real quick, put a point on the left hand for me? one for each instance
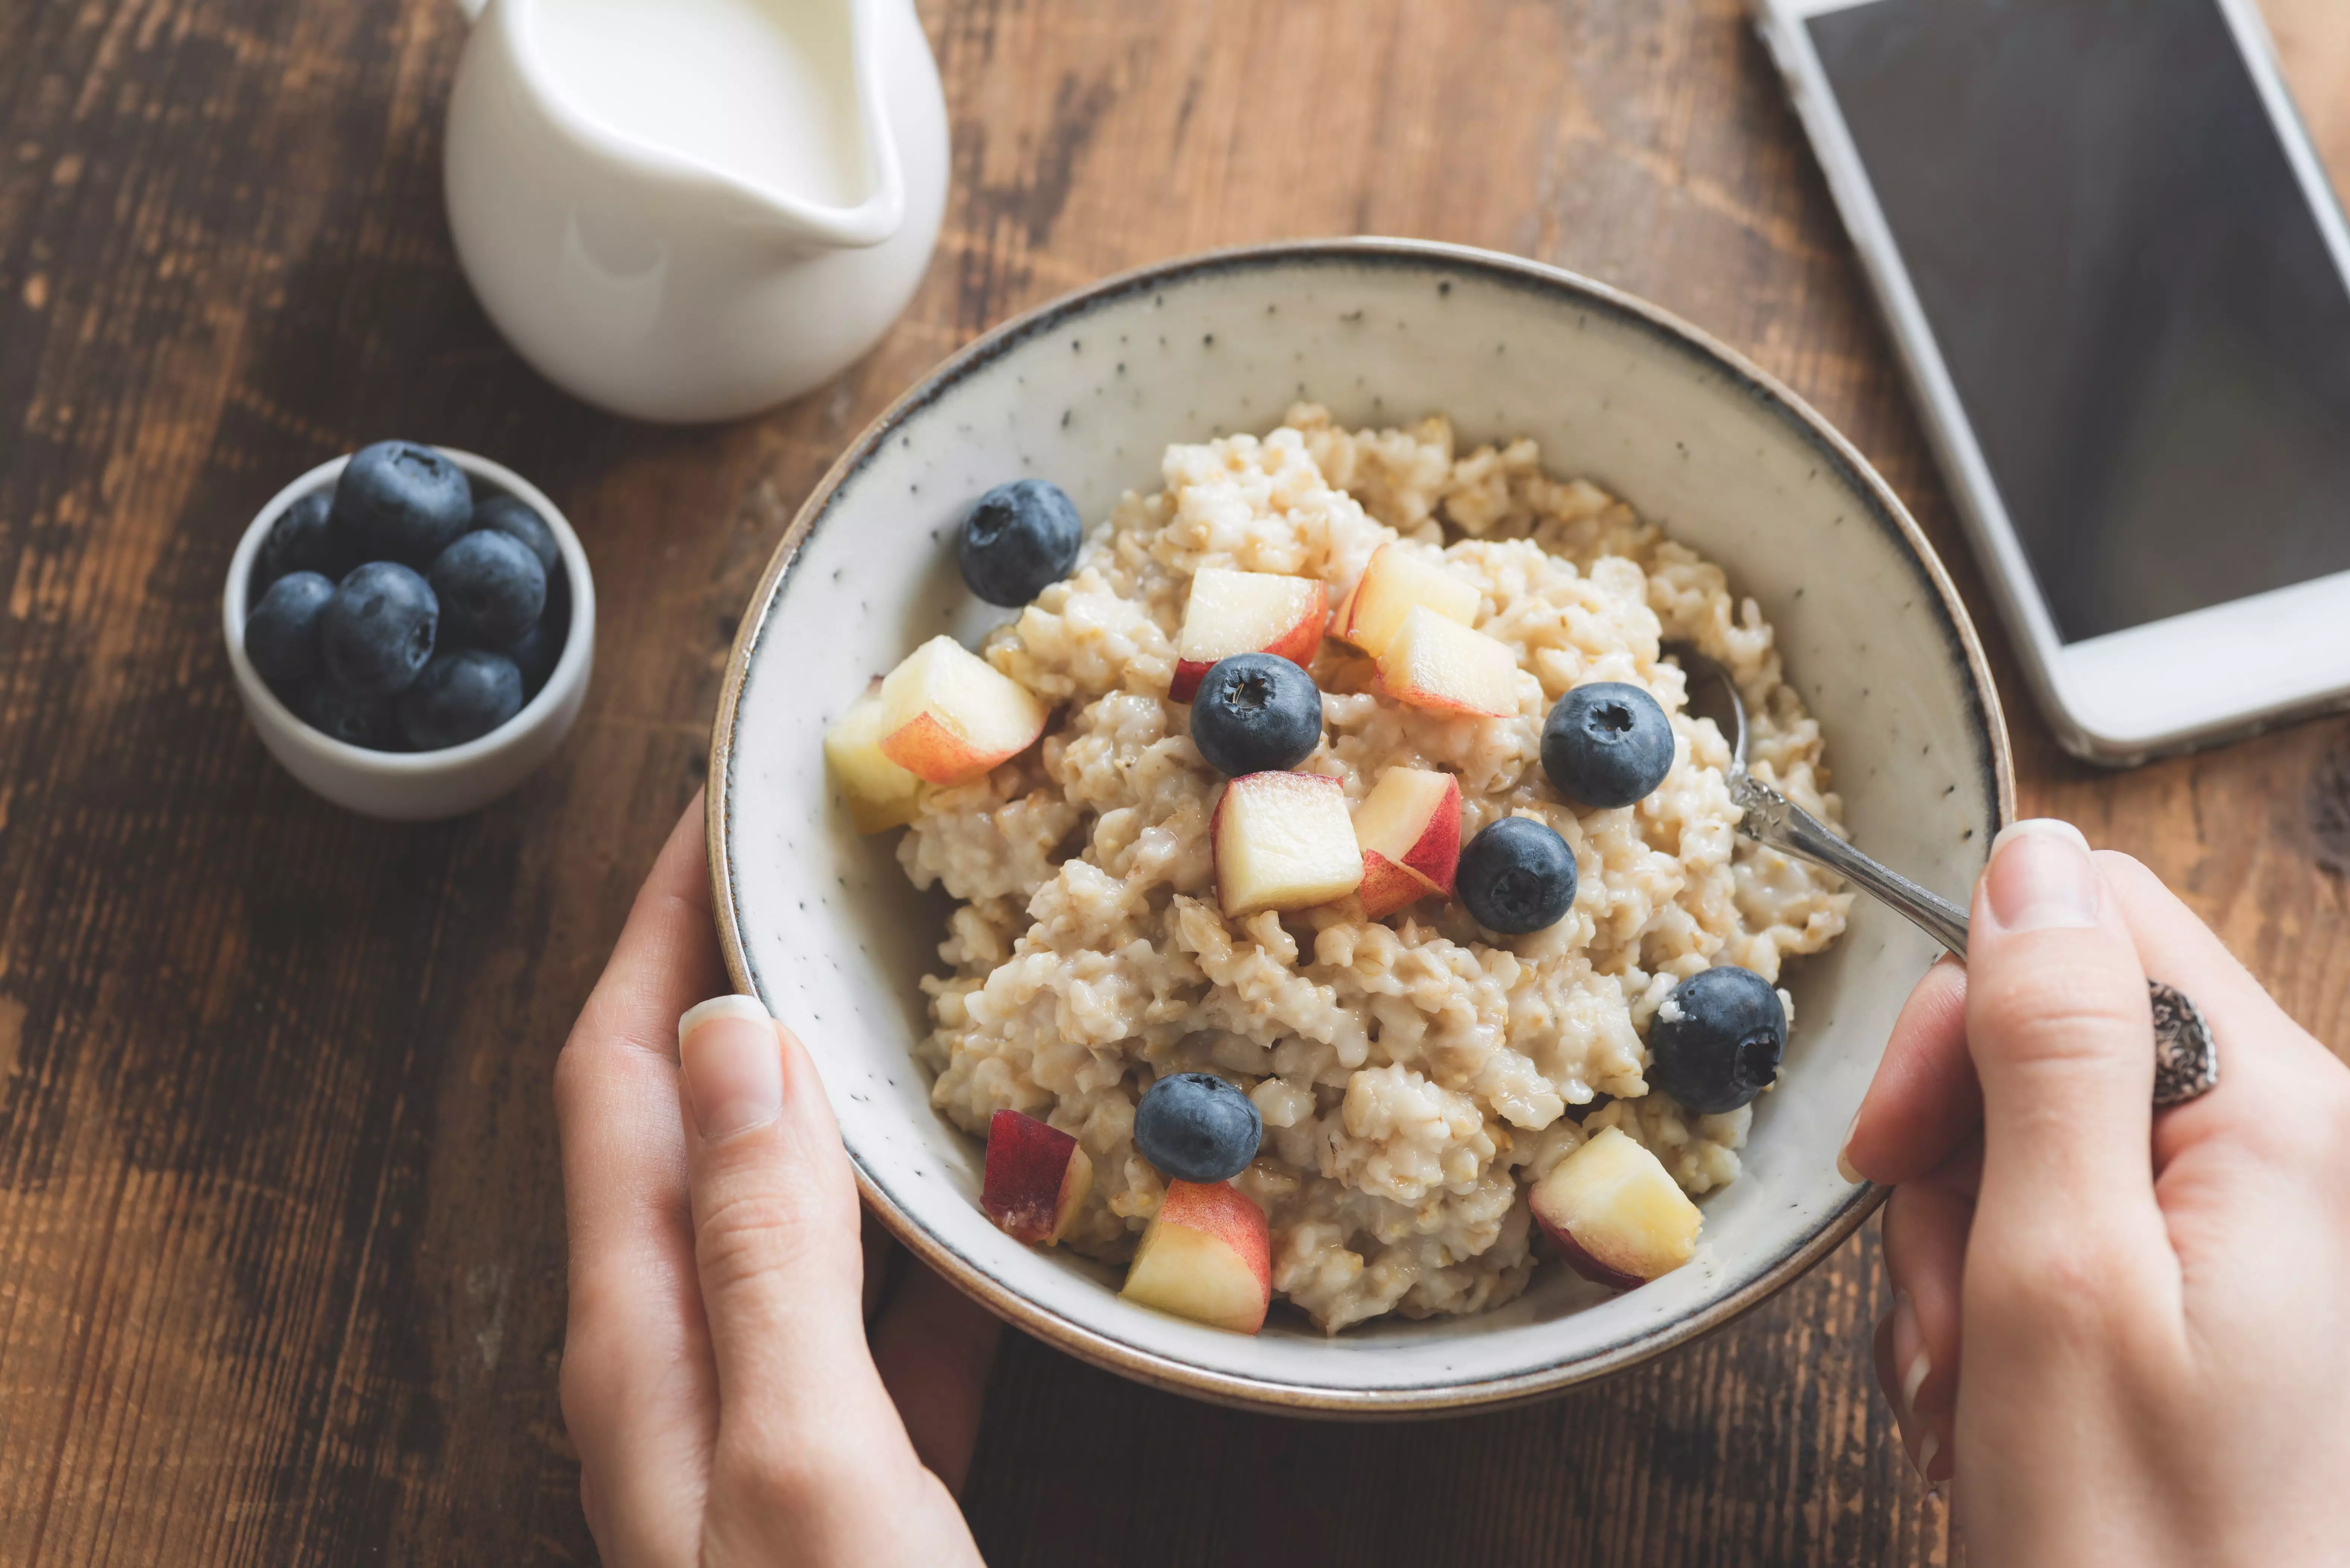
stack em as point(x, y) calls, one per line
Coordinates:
point(729, 1402)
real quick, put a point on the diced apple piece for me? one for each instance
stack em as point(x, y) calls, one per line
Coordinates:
point(1283, 841)
point(880, 793)
point(1410, 828)
point(1616, 1213)
point(1432, 662)
point(1246, 612)
point(1037, 1175)
point(1208, 1256)
point(947, 715)
point(1399, 579)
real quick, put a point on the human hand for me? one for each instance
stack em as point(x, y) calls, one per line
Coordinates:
point(2121, 1331)
point(728, 1401)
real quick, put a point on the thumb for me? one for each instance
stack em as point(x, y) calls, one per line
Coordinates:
point(2062, 1037)
point(777, 1248)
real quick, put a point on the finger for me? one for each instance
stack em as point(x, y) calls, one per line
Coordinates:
point(615, 1082)
point(1889, 1379)
point(2268, 1064)
point(637, 1383)
point(2241, 1156)
point(886, 1265)
point(803, 1422)
point(1924, 1235)
point(933, 1347)
point(2061, 1034)
point(1924, 1102)
point(591, 1505)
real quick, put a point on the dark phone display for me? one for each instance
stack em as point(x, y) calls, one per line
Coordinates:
point(2151, 338)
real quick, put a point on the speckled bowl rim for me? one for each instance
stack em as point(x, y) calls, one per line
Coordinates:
point(1670, 331)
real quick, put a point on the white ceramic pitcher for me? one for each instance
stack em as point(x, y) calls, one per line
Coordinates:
point(685, 210)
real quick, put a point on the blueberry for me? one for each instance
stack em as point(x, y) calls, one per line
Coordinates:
point(558, 596)
point(301, 540)
point(378, 630)
point(1517, 876)
point(1020, 539)
point(1256, 713)
point(537, 651)
point(370, 722)
point(505, 514)
point(491, 587)
point(281, 633)
point(1607, 744)
point(1194, 1127)
point(541, 648)
point(1716, 1042)
point(400, 502)
point(460, 696)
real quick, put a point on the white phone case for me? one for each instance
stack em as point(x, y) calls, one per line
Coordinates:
point(2170, 685)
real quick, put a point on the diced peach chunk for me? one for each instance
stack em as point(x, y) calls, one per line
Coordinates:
point(1038, 1176)
point(1246, 612)
point(1616, 1213)
point(1410, 828)
point(879, 794)
point(1399, 578)
point(947, 715)
point(1432, 662)
point(1282, 841)
point(1207, 1256)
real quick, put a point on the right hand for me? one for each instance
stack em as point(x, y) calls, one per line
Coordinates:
point(2123, 1331)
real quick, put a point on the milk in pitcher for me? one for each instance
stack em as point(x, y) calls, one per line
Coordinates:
point(759, 89)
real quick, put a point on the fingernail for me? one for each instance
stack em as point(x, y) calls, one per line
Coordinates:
point(2041, 876)
point(1928, 1447)
point(1909, 1355)
point(1845, 1167)
point(732, 1064)
point(1844, 1153)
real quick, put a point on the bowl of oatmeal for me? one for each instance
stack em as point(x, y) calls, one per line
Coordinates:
point(1054, 932)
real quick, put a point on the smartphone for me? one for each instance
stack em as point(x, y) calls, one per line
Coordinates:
point(2119, 283)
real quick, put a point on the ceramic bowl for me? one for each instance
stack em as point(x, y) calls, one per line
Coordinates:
point(417, 787)
point(1087, 392)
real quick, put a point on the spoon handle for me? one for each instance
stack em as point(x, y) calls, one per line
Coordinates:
point(1771, 818)
point(2186, 1062)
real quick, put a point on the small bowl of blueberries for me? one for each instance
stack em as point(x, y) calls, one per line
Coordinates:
point(412, 630)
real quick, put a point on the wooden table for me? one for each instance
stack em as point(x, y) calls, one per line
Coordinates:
point(281, 1261)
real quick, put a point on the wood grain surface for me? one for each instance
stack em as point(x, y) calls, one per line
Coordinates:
point(280, 1227)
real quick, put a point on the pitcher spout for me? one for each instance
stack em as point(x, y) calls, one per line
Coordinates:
point(778, 103)
point(870, 146)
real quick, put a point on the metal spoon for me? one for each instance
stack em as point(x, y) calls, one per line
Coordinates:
point(2187, 1065)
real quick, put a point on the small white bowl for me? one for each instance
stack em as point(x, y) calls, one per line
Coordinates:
point(419, 786)
point(823, 926)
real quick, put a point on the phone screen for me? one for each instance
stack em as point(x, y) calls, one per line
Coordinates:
point(2127, 282)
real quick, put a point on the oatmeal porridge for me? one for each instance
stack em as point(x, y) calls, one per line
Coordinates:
point(1416, 1074)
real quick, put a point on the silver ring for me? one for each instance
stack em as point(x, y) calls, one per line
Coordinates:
point(2186, 1062)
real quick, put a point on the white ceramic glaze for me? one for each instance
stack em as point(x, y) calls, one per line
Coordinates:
point(822, 925)
point(419, 786)
point(661, 286)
